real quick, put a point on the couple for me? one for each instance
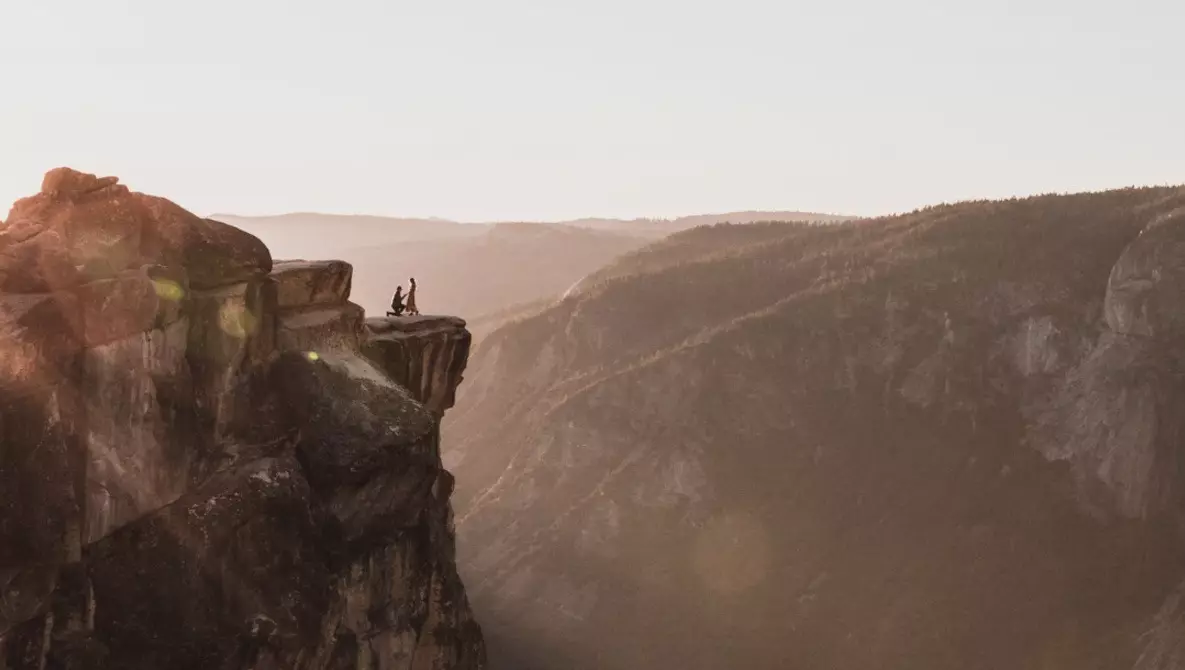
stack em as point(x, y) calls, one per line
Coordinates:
point(397, 306)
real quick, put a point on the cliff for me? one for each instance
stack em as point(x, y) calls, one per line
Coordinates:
point(198, 466)
point(426, 354)
point(946, 439)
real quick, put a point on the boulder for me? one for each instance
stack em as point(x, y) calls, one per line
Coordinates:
point(99, 228)
point(368, 447)
point(304, 283)
point(64, 182)
point(84, 228)
point(353, 420)
point(320, 327)
point(213, 253)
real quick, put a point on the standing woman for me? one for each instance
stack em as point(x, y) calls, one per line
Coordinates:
point(411, 298)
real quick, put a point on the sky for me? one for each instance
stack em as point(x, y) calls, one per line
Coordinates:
point(483, 110)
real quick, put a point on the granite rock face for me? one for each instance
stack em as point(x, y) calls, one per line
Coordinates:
point(81, 228)
point(198, 466)
point(911, 442)
point(305, 283)
point(1115, 414)
point(426, 354)
point(1146, 284)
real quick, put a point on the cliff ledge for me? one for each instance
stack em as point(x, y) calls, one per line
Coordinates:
point(199, 466)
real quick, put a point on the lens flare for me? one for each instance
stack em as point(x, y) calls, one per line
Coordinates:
point(236, 320)
point(167, 289)
point(312, 356)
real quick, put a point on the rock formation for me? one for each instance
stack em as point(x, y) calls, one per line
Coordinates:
point(198, 467)
point(946, 439)
point(423, 353)
point(1114, 415)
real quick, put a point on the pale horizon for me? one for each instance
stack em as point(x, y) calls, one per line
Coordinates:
point(510, 111)
point(593, 217)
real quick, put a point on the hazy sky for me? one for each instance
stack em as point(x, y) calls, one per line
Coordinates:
point(545, 109)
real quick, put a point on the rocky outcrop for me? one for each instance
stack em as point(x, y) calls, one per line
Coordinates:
point(426, 354)
point(1145, 288)
point(913, 442)
point(81, 228)
point(319, 325)
point(313, 308)
point(199, 468)
point(304, 283)
point(1114, 415)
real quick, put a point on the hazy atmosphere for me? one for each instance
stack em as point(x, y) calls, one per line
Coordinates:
point(613, 335)
point(525, 110)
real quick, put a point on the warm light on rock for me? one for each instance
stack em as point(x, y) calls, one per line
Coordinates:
point(178, 487)
point(236, 320)
point(168, 289)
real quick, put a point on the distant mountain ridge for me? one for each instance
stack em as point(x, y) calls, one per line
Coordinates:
point(311, 216)
point(676, 224)
point(472, 270)
point(946, 439)
point(648, 224)
point(311, 231)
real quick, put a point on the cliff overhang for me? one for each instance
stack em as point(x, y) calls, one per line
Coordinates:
point(200, 466)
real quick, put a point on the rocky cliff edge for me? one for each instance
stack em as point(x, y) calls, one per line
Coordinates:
point(212, 460)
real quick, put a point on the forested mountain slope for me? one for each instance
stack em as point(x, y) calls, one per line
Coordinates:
point(947, 439)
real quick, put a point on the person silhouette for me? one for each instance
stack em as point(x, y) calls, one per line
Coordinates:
point(411, 298)
point(397, 303)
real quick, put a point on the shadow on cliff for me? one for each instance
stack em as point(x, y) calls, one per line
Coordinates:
point(860, 415)
point(200, 466)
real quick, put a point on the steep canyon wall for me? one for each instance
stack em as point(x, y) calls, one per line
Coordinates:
point(199, 468)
